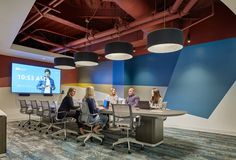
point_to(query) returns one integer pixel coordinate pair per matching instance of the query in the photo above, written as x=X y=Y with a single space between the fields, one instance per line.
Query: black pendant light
x=119 y=50
x=64 y=63
x=165 y=40
x=86 y=59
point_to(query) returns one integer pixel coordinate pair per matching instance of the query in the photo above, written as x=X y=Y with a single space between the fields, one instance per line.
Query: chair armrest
x=65 y=113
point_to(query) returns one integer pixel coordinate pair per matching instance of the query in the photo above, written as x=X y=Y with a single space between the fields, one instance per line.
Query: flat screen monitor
x=34 y=79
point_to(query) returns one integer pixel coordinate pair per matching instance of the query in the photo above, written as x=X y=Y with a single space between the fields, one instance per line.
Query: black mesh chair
x=25 y=109
x=62 y=119
x=48 y=113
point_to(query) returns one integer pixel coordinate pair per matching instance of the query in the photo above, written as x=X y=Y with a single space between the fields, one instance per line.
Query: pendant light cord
x=164 y=14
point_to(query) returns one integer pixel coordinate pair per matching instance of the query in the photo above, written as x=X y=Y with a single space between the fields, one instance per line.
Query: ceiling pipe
x=176 y=16
x=45 y=30
x=134 y=26
x=49 y=31
x=41 y=40
x=175 y=6
x=203 y=19
x=188 y=7
x=140 y=9
x=134 y=36
x=35 y=18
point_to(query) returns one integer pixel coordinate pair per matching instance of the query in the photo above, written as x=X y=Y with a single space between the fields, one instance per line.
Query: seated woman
x=100 y=120
x=156 y=100
x=68 y=109
x=113 y=98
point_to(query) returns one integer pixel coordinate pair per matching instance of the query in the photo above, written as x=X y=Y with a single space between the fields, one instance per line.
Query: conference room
x=117 y=79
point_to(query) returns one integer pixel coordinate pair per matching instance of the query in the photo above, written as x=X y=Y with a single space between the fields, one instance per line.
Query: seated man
x=132 y=99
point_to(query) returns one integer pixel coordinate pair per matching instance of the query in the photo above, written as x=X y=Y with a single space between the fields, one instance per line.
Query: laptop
x=106 y=104
x=144 y=105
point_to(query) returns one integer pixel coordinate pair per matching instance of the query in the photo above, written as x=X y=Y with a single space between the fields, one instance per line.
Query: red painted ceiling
x=69 y=26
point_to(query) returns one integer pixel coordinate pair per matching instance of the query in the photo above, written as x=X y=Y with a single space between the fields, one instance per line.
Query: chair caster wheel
x=101 y=143
x=113 y=148
x=19 y=125
x=64 y=139
x=40 y=131
x=129 y=152
x=83 y=144
x=29 y=127
x=142 y=147
x=35 y=129
x=46 y=133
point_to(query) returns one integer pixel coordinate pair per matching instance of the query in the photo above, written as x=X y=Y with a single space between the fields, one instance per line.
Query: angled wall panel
x=203 y=75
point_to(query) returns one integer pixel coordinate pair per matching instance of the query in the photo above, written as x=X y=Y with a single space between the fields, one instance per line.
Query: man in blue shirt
x=46 y=84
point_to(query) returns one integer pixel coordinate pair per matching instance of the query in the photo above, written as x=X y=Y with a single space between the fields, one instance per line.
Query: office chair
x=25 y=109
x=62 y=120
x=125 y=120
x=48 y=113
x=35 y=108
x=85 y=118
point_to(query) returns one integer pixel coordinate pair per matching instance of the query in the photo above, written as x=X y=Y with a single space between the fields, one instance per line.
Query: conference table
x=151 y=130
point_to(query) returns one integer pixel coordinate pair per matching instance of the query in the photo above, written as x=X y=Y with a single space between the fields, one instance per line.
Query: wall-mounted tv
x=34 y=79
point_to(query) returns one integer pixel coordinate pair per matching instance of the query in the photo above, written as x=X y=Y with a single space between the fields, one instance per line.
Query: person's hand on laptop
x=101 y=107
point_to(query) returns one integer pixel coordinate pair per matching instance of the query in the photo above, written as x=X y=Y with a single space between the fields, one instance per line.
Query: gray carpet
x=178 y=144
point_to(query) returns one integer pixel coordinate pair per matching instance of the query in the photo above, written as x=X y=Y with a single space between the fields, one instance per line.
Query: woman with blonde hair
x=99 y=119
x=156 y=100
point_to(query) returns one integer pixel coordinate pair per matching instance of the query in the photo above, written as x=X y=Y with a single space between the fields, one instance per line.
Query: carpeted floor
x=178 y=144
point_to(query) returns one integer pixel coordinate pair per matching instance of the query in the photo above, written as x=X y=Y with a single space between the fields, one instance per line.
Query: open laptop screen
x=106 y=104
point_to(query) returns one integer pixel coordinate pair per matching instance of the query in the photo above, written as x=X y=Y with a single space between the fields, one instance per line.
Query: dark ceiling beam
x=35 y=18
x=65 y=22
x=137 y=10
x=48 y=7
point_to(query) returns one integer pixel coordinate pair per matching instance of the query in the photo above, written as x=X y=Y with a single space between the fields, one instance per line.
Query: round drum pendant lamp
x=86 y=59
x=119 y=50
x=165 y=40
x=64 y=63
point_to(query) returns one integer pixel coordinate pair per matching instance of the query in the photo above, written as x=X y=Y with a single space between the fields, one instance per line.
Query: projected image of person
x=46 y=85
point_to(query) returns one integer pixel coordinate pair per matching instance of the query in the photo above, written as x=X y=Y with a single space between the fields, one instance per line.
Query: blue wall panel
x=203 y=75
x=102 y=74
x=150 y=69
x=118 y=73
